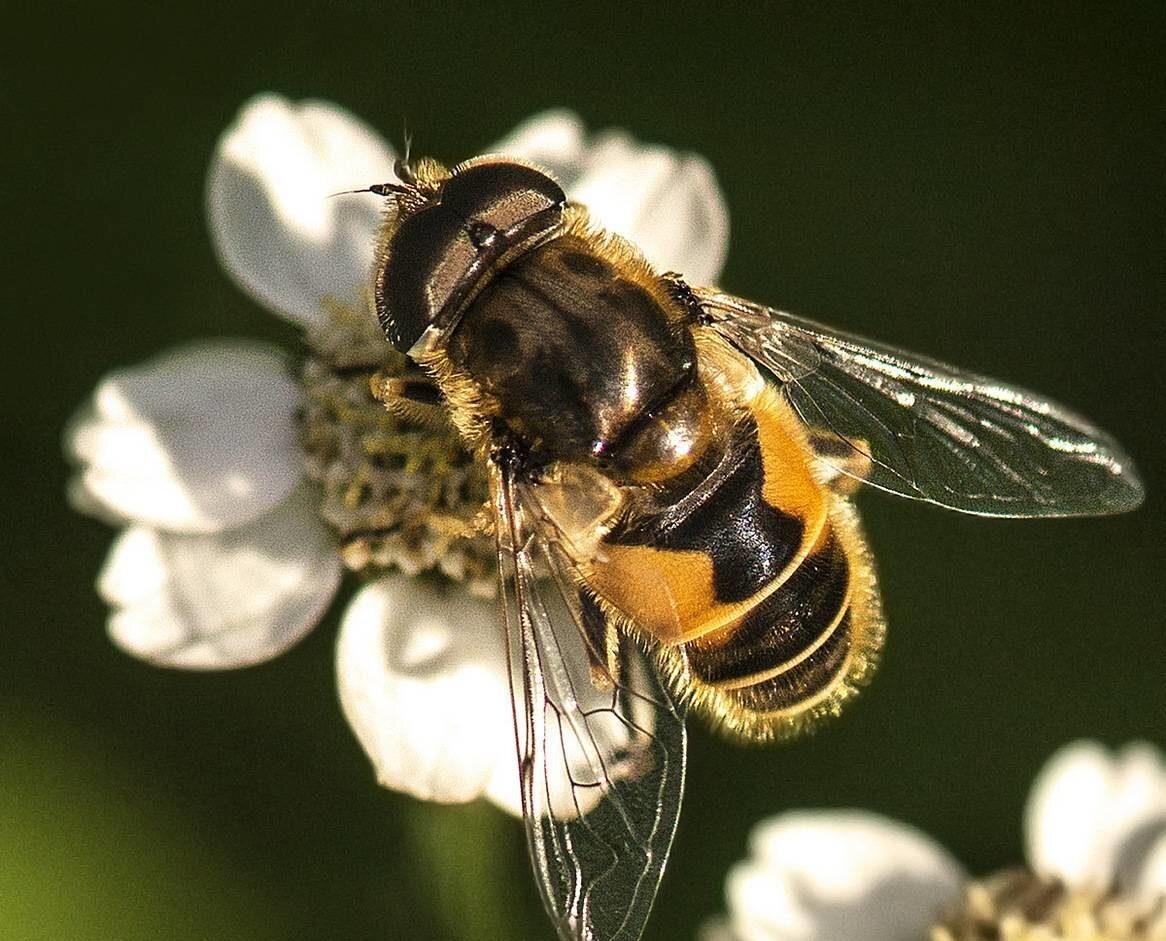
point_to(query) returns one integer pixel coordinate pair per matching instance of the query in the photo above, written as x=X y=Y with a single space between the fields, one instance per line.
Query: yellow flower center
x=1017 y=905
x=399 y=488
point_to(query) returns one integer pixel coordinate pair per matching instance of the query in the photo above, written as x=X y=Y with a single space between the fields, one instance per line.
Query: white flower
x=1095 y=829
x=224 y=557
x=1096 y=821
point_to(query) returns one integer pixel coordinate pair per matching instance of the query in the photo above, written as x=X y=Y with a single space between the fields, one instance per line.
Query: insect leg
x=412 y=395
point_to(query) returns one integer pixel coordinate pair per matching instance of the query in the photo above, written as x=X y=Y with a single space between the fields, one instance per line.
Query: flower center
x=1016 y=905
x=399 y=488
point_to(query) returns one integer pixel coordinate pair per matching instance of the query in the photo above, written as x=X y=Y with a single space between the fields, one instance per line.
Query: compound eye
x=430 y=255
x=500 y=194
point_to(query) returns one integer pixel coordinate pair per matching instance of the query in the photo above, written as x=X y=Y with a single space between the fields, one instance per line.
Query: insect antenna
x=402 y=166
x=378 y=189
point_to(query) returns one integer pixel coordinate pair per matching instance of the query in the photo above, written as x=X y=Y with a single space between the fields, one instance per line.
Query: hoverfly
x=669 y=474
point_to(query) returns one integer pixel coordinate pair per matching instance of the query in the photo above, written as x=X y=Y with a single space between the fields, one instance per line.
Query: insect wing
x=929 y=431
x=600 y=757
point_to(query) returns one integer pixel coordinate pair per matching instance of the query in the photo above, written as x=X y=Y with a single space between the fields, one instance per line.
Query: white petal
x=423 y=682
x=667 y=203
x=1151 y=878
x=1085 y=807
x=227 y=600
x=554 y=140
x=201 y=439
x=272 y=220
x=715 y=929
x=837 y=876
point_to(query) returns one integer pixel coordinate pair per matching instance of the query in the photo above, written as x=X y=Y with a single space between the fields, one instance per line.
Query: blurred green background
x=985 y=188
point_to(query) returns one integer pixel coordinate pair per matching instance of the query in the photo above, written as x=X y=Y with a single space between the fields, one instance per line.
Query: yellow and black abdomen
x=757 y=584
x=798 y=650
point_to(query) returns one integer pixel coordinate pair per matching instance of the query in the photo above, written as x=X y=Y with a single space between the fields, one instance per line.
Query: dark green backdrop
x=988 y=189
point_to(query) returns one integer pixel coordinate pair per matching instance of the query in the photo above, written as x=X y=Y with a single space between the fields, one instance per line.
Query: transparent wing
x=930 y=431
x=601 y=743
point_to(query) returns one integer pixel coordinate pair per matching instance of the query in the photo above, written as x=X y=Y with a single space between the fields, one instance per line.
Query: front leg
x=411 y=395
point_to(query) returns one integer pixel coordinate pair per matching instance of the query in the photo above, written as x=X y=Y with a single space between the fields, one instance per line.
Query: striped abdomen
x=757 y=583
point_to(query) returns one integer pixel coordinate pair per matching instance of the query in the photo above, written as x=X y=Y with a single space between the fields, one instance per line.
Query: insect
x=669 y=471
